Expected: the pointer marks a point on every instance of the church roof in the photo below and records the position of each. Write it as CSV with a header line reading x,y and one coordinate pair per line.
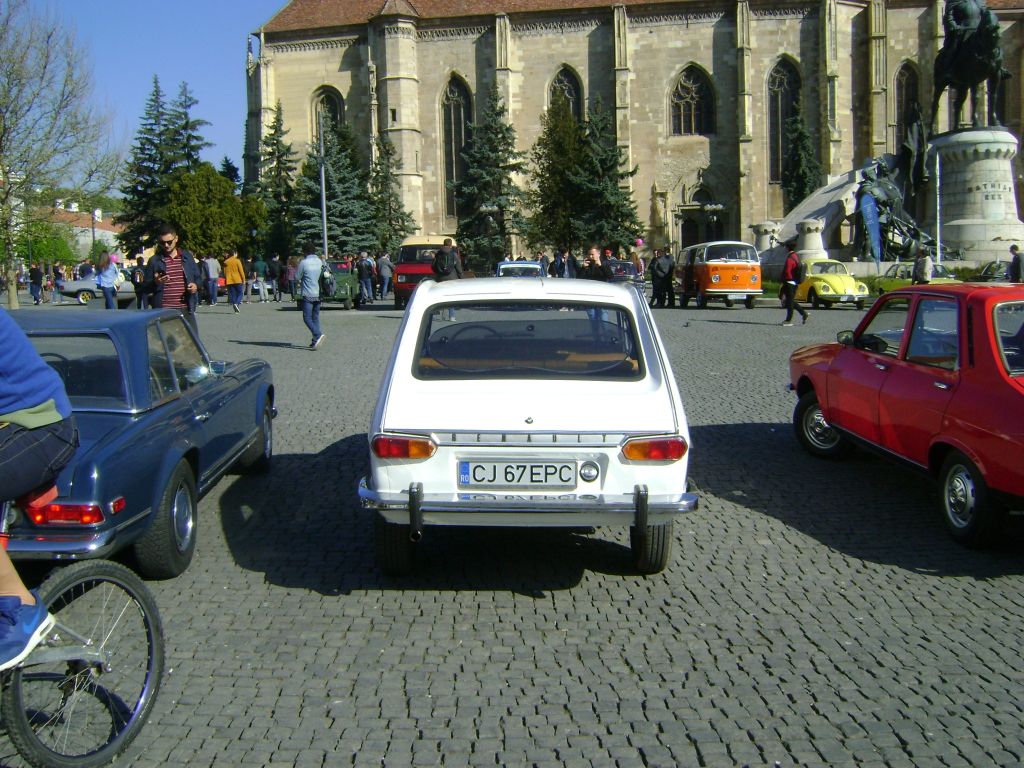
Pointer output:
x,y
301,15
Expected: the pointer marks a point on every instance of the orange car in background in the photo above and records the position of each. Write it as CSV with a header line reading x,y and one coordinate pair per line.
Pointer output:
x,y
723,270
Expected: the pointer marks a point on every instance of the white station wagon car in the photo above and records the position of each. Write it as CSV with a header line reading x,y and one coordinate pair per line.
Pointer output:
x,y
527,403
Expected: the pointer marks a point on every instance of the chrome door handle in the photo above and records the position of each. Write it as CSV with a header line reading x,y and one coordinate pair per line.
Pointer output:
x,y
940,385
881,367
203,416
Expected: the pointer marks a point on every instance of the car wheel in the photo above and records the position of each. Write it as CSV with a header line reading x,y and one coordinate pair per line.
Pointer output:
x,y
399,304
859,304
651,547
700,300
812,297
728,302
84,297
749,302
166,549
971,516
395,549
260,456
348,303
684,300
815,434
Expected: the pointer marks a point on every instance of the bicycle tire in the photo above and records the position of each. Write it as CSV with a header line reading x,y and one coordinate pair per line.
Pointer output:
x,y
78,714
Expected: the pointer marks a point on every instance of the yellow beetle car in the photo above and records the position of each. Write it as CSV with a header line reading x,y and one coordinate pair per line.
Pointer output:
x,y
827,282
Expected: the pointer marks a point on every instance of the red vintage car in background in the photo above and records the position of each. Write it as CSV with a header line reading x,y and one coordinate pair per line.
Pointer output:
x,y
933,376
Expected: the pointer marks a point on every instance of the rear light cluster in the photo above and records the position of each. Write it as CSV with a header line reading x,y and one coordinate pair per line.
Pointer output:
x,y
385,447
655,449
70,514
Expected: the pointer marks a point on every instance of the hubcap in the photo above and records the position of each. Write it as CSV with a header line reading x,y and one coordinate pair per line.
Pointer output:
x,y
182,517
818,431
960,496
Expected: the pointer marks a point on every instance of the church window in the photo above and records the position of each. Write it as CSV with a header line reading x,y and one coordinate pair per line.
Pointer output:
x,y
908,108
783,103
693,104
328,109
568,85
456,112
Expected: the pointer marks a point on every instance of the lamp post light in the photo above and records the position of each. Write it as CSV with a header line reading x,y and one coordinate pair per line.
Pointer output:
x,y
711,210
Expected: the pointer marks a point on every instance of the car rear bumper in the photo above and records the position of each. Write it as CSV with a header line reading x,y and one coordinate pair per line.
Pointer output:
x,y
555,510
62,546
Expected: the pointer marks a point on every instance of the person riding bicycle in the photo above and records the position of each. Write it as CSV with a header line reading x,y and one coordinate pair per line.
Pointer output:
x,y
37,438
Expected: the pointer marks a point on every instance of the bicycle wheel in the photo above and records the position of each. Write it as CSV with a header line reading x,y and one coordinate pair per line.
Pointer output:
x,y
83,695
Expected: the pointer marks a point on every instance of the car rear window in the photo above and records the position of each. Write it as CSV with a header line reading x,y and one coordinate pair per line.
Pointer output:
x,y
730,252
1009,322
528,340
89,366
417,254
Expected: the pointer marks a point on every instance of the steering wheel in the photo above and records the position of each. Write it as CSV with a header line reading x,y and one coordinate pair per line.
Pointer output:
x,y
488,331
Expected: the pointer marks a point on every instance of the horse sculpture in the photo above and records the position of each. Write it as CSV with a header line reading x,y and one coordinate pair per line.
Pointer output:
x,y
969,58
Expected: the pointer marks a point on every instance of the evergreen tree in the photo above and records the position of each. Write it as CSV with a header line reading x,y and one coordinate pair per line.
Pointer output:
x,y
551,199
350,222
184,131
148,163
203,206
606,210
230,171
392,222
278,165
489,202
801,174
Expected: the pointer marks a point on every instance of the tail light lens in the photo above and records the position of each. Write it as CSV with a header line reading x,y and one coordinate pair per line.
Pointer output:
x,y
385,447
655,449
65,514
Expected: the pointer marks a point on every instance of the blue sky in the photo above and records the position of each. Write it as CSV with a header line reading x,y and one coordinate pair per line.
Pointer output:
x,y
199,41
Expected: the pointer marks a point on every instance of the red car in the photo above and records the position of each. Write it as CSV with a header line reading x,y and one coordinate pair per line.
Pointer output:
x,y
933,376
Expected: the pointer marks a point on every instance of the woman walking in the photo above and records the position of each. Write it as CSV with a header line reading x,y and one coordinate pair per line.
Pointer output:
x,y
234,278
107,279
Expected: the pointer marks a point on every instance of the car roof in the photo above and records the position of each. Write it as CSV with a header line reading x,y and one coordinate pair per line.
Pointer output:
x,y
998,291
544,288
437,240
86,320
537,264
717,242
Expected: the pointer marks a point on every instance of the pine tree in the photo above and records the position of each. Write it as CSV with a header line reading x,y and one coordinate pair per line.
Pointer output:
x,y
551,199
184,130
606,210
230,171
392,222
149,163
801,174
350,219
489,202
278,165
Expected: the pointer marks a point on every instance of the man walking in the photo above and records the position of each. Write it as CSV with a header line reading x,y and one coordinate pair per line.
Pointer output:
x,y
364,270
1013,272
385,268
138,277
790,278
173,276
213,273
307,278
35,284
662,274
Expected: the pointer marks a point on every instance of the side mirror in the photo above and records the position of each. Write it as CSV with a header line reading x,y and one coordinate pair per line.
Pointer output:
x,y
845,338
218,367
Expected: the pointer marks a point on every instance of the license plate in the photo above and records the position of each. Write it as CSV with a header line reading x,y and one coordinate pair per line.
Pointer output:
x,y
846,298
737,296
517,474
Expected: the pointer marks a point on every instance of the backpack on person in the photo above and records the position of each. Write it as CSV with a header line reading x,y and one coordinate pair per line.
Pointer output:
x,y
328,283
138,276
442,264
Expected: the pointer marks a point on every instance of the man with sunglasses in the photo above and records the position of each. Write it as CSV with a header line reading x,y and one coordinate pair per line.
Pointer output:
x,y
172,276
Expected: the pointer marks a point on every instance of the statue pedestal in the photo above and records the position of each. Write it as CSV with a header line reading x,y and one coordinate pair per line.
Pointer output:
x,y
978,199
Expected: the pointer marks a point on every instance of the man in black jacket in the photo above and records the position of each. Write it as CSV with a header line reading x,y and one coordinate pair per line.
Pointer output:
x,y
172,276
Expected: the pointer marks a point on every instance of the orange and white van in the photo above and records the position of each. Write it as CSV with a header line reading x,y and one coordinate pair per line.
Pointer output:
x,y
723,270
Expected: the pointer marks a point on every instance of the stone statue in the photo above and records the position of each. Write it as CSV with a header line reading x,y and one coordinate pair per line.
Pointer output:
x,y
970,55
885,229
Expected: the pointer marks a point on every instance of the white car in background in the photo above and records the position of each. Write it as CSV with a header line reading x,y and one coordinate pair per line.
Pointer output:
x,y
527,403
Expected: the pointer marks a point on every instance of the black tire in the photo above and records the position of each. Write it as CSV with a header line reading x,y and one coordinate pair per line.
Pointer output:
x,y
750,302
970,514
348,303
78,713
814,433
260,456
812,297
84,297
395,550
166,549
651,548
859,304
728,302
684,300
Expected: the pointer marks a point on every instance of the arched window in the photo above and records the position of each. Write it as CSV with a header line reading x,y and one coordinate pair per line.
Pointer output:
x,y
328,109
783,103
908,102
568,84
693,104
456,110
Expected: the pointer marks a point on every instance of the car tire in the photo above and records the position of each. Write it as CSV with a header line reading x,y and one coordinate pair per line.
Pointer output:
x,y
684,300
166,549
348,303
859,304
84,297
814,433
750,302
651,547
971,516
812,297
260,456
399,302
395,550
728,302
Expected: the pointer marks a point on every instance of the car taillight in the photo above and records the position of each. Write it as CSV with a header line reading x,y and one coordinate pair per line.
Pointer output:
x,y
65,514
655,449
402,447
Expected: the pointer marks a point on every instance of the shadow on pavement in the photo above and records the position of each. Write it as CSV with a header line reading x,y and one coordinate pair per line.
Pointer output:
x,y
302,526
862,506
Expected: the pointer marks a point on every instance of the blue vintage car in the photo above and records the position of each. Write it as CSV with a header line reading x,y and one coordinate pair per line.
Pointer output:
x,y
159,423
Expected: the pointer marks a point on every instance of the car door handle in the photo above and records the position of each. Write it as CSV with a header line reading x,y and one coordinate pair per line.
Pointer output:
x,y
940,385
203,416
881,366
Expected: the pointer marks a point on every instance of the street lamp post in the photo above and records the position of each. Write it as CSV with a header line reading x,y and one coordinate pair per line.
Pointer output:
x,y
712,210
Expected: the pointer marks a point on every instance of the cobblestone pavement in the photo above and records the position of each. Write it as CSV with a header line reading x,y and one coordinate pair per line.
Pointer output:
x,y
813,614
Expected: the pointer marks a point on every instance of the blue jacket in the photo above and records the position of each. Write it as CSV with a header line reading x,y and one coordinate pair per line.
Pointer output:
x,y
25,380
192,275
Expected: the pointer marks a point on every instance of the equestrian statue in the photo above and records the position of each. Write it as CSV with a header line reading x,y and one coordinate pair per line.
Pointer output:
x,y
970,55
